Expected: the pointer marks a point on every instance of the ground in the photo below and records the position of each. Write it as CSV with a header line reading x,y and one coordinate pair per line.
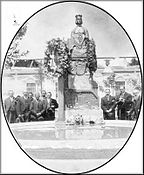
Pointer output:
x,y
68,148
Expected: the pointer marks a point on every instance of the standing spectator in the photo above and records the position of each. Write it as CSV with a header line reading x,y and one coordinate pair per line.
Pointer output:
x,y
23,108
30,96
136,102
124,103
44,100
10,107
43,95
108,106
30,100
37,109
50,104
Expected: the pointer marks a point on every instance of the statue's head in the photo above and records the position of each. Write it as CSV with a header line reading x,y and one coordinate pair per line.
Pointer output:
x,y
78,20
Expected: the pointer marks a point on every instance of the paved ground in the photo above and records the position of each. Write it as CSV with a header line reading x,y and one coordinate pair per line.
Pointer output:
x,y
72,148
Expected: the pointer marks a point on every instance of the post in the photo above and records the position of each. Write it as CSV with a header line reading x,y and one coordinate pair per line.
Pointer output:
x,y
40,76
61,110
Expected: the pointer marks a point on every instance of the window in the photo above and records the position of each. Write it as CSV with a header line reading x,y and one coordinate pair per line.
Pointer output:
x,y
31,87
26,63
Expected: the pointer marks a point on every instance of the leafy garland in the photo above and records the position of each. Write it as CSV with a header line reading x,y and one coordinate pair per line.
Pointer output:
x,y
58,57
91,57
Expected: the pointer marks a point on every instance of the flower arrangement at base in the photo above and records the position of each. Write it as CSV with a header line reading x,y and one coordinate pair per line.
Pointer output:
x,y
76,119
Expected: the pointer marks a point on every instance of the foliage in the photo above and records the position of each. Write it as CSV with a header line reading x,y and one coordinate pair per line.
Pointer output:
x,y
91,57
58,57
134,62
14,51
109,81
101,88
135,83
21,32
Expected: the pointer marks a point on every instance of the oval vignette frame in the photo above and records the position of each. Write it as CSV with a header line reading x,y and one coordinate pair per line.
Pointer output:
x,y
60,2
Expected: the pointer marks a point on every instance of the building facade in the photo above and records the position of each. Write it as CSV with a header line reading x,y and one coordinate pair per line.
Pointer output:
x,y
33,79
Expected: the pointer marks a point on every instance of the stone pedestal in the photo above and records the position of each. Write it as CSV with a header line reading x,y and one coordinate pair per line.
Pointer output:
x,y
81,91
82,83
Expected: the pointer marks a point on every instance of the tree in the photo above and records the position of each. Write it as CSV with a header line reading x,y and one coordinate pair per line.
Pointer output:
x,y
110,81
14,51
134,62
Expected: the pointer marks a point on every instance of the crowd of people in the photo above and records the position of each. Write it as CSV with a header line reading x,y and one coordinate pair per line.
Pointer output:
x,y
41,107
29,107
127,105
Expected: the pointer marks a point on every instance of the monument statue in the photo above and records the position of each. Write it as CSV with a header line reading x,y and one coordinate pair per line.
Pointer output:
x,y
75,56
83,63
82,48
79,38
80,34
74,63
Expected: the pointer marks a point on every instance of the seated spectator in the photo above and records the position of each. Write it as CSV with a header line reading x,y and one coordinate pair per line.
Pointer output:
x,y
108,106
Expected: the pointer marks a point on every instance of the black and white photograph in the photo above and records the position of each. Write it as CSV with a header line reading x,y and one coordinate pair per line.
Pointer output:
x,y
71,87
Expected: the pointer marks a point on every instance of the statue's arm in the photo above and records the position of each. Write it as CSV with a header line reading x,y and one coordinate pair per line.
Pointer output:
x,y
73,33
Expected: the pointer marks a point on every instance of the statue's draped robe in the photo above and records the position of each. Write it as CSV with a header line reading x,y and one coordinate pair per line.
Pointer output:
x,y
78,43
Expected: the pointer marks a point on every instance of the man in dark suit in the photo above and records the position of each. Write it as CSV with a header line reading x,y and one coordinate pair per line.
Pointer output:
x,y
49,105
23,108
108,106
136,102
124,104
37,108
10,107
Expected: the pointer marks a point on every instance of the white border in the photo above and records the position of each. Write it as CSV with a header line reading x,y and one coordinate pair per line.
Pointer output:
x,y
129,160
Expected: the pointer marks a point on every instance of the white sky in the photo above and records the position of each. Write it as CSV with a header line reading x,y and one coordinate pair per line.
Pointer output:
x,y
59,20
